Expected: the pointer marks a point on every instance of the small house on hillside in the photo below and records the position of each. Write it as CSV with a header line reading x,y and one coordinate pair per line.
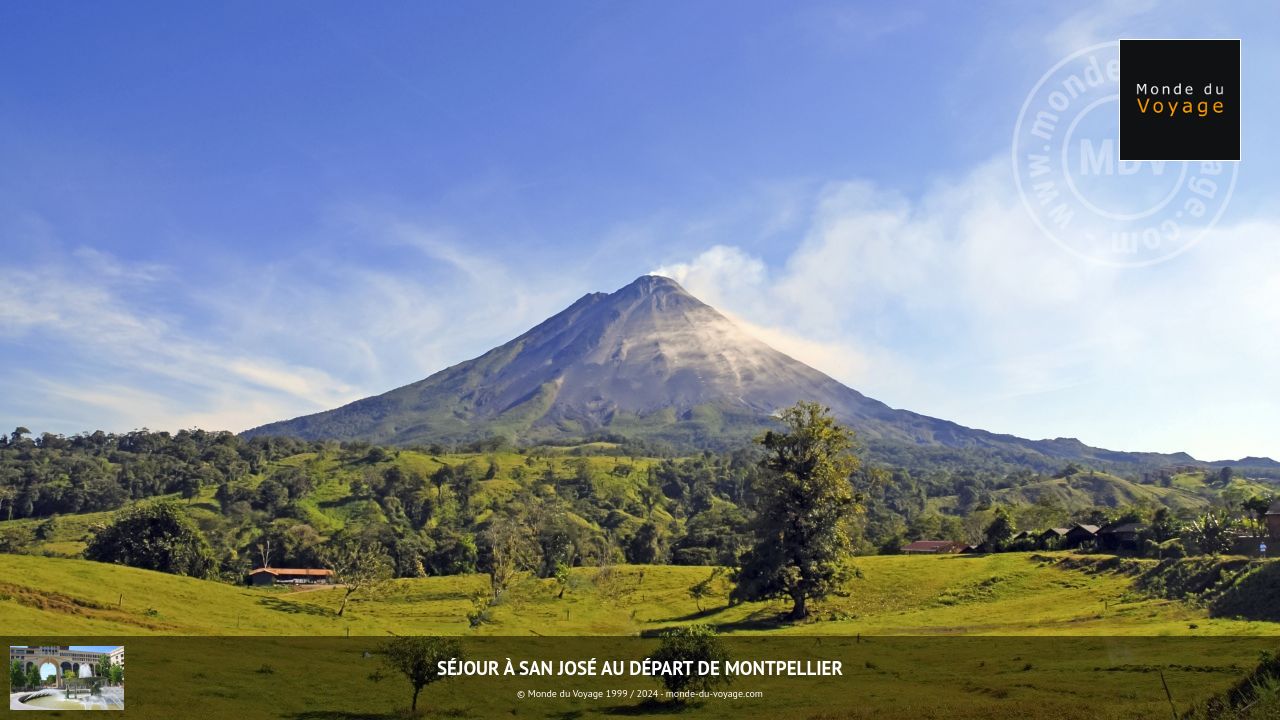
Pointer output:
x,y
1273,520
1052,538
934,547
1079,535
1124,536
290,576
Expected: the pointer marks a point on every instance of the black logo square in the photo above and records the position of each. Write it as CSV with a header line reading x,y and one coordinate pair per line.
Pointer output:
x,y
1179,99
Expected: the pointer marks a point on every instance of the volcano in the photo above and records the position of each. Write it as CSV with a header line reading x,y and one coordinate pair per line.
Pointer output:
x,y
651,362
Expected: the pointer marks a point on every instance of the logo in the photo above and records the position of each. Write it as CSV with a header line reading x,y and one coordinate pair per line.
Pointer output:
x,y
1066,162
1180,99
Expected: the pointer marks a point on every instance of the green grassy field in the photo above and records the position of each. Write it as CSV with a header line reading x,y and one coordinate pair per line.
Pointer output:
x,y
1035,635
1007,594
1011,635
894,678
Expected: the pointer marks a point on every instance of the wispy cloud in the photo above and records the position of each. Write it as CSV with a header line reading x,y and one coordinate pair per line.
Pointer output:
x,y
92,319
118,345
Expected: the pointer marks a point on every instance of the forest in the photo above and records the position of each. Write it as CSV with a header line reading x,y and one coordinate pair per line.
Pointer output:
x,y
238,504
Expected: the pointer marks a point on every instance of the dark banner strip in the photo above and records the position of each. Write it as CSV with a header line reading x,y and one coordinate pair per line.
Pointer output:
x,y
364,678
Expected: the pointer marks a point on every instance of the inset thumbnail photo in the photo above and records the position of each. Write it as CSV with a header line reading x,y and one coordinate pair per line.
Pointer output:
x,y
66,677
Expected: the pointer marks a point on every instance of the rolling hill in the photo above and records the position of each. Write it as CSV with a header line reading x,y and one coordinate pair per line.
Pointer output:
x,y
1005,594
1054,636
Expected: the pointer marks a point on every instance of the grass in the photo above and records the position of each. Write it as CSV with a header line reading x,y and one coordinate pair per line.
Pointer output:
x,y
892,678
1008,594
1013,635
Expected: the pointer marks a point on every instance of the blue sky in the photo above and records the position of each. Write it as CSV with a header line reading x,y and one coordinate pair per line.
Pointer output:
x,y
227,215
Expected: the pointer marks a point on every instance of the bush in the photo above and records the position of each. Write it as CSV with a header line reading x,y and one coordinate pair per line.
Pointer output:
x,y
1251,594
1150,548
1174,548
694,643
153,536
1025,544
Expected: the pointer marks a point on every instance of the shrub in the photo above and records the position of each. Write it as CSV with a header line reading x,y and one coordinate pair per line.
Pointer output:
x,y
694,643
1174,548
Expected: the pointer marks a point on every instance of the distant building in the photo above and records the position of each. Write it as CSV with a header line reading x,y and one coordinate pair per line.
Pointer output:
x,y
1273,520
1079,535
1052,538
934,547
290,576
1125,536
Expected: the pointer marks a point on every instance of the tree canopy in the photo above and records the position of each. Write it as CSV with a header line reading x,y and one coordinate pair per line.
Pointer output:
x,y
806,501
418,658
154,535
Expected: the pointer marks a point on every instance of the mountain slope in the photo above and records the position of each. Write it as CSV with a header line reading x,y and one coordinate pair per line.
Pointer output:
x,y
648,361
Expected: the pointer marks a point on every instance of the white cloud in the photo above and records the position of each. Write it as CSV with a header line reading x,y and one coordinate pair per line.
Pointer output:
x,y
956,305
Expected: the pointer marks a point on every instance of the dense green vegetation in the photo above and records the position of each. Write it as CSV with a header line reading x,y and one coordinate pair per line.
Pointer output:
x,y
444,511
57,475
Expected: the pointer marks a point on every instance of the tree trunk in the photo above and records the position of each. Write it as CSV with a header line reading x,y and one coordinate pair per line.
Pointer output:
x,y
800,610
413,707
343,607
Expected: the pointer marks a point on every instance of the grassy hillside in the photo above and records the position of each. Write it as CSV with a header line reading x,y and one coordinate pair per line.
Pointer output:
x,y
1009,594
1087,488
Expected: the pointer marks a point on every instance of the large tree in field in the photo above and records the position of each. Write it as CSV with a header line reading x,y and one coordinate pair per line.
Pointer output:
x,y
360,566
509,548
805,503
418,658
